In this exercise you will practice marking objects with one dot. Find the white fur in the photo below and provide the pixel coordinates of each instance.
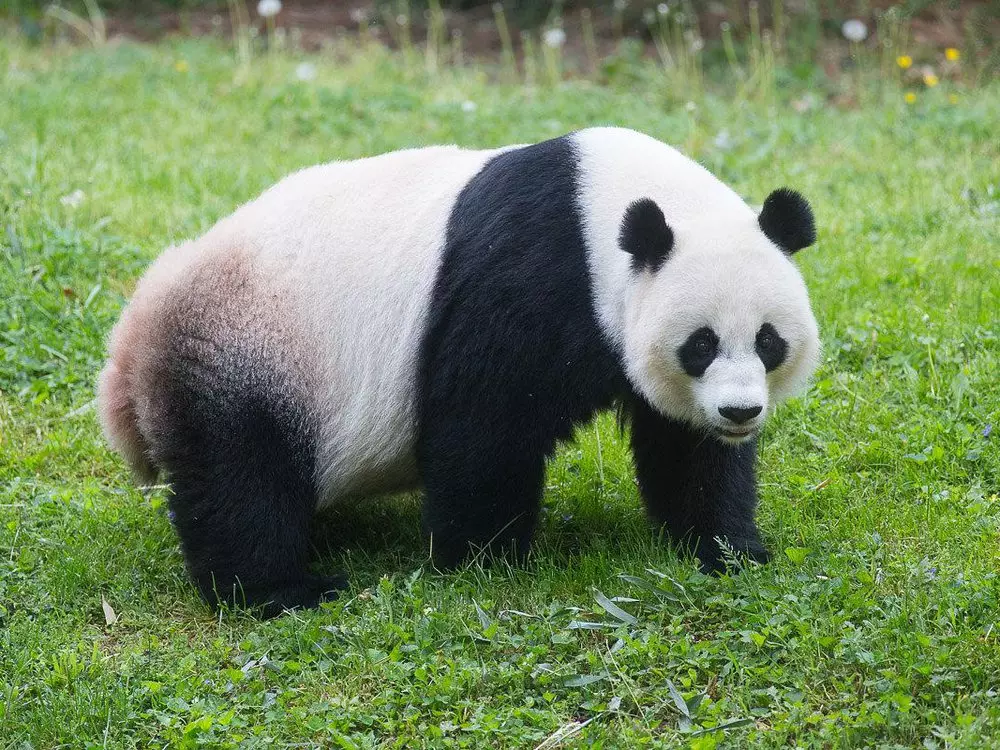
(723, 273)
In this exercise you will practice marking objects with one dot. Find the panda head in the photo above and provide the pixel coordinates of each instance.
(718, 327)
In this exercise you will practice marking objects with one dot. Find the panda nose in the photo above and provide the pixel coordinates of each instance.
(740, 414)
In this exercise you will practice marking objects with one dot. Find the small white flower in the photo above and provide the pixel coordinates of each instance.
(690, 106)
(468, 106)
(554, 37)
(663, 9)
(854, 30)
(359, 15)
(305, 71)
(74, 199)
(268, 8)
(620, 5)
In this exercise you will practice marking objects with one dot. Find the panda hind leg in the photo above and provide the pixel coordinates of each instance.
(238, 453)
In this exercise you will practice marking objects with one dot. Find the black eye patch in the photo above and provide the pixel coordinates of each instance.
(770, 347)
(698, 352)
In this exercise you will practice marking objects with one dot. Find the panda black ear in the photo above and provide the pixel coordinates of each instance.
(787, 220)
(645, 235)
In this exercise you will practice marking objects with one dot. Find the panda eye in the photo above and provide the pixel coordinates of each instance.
(698, 352)
(771, 348)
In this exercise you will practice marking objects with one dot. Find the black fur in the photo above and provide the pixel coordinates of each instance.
(698, 352)
(238, 449)
(770, 347)
(697, 487)
(645, 235)
(513, 357)
(787, 220)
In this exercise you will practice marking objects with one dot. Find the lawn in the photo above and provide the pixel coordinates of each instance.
(877, 622)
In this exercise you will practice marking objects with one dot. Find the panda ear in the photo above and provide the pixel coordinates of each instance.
(787, 220)
(645, 235)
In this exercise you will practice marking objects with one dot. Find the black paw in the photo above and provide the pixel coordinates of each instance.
(717, 559)
(271, 601)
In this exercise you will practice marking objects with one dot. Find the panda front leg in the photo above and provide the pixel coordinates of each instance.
(483, 487)
(698, 488)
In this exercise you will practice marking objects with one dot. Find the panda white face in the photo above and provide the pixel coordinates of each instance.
(720, 329)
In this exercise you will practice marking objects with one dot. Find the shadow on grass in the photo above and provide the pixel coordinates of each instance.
(384, 536)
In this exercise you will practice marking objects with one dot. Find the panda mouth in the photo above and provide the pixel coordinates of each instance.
(736, 434)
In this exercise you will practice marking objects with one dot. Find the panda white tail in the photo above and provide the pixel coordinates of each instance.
(116, 409)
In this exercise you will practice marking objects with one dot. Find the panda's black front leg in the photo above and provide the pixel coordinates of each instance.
(699, 488)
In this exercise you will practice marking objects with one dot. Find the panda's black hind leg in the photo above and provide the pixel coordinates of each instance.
(238, 453)
(699, 489)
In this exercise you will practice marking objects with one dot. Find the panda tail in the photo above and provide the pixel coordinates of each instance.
(116, 409)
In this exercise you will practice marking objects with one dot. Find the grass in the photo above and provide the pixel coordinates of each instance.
(875, 626)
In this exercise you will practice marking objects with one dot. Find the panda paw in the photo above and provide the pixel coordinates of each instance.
(716, 559)
(308, 594)
(270, 602)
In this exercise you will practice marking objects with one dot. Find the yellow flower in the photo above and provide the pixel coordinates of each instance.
(930, 80)
(181, 66)
(951, 54)
(953, 98)
(904, 61)
(910, 97)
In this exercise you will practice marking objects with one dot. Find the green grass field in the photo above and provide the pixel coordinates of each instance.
(875, 626)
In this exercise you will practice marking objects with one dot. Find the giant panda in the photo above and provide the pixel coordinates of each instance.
(440, 318)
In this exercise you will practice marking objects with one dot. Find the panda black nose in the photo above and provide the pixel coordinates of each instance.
(740, 414)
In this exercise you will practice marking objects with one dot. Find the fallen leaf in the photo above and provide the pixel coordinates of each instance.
(110, 617)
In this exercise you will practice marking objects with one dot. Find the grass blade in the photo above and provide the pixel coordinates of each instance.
(614, 610)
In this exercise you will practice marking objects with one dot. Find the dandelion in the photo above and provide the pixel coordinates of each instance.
(904, 62)
(181, 66)
(663, 9)
(268, 8)
(910, 97)
(930, 80)
(854, 30)
(951, 54)
(695, 42)
(554, 37)
(305, 71)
